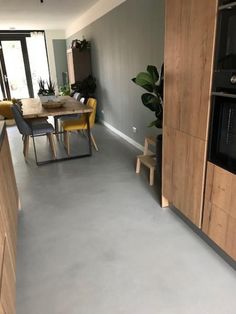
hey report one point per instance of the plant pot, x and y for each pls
(44, 98)
(159, 156)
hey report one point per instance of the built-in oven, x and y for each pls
(222, 139)
(222, 150)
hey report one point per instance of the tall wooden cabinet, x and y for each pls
(9, 204)
(189, 53)
(79, 64)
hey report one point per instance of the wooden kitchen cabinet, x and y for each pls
(219, 220)
(184, 173)
(79, 64)
(189, 54)
(189, 48)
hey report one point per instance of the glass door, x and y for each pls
(23, 62)
(17, 84)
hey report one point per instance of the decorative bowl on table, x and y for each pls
(52, 104)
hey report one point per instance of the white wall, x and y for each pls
(50, 35)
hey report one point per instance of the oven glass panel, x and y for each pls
(223, 139)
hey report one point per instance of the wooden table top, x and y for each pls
(32, 108)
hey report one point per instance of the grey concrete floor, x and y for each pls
(92, 239)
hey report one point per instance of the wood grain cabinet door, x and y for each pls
(183, 170)
(189, 53)
(219, 220)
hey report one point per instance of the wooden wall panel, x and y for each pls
(184, 167)
(189, 46)
(219, 220)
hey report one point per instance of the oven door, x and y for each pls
(222, 150)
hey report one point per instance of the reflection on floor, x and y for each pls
(93, 240)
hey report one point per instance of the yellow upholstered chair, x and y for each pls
(5, 109)
(79, 125)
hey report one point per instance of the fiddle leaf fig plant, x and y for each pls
(152, 82)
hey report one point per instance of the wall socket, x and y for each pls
(134, 129)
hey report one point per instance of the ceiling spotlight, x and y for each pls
(41, 1)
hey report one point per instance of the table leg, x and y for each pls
(89, 133)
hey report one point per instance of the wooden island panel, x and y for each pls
(9, 204)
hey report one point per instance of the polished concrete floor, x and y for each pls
(92, 239)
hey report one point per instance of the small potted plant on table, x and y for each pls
(46, 90)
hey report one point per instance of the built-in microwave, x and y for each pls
(222, 151)
(225, 54)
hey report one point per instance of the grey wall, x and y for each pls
(59, 48)
(124, 42)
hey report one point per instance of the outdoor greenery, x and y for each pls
(65, 90)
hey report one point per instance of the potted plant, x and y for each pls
(86, 88)
(153, 82)
(81, 44)
(46, 90)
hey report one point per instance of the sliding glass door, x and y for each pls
(17, 85)
(23, 61)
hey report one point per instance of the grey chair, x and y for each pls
(33, 128)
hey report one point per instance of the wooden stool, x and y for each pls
(148, 159)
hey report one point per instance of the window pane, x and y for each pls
(38, 59)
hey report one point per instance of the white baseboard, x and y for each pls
(122, 135)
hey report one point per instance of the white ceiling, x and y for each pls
(31, 14)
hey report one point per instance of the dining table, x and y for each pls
(33, 108)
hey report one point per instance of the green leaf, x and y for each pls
(144, 80)
(157, 123)
(150, 101)
(152, 70)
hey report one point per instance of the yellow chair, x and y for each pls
(5, 109)
(80, 125)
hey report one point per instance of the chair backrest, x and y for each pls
(82, 100)
(22, 125)
(92, 102)
(77, 96)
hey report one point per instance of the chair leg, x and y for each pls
(26, 146)
(138, 165)
(93, 141)
(56, 127)
(52, 144)
(67, 141)
(151, 181)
